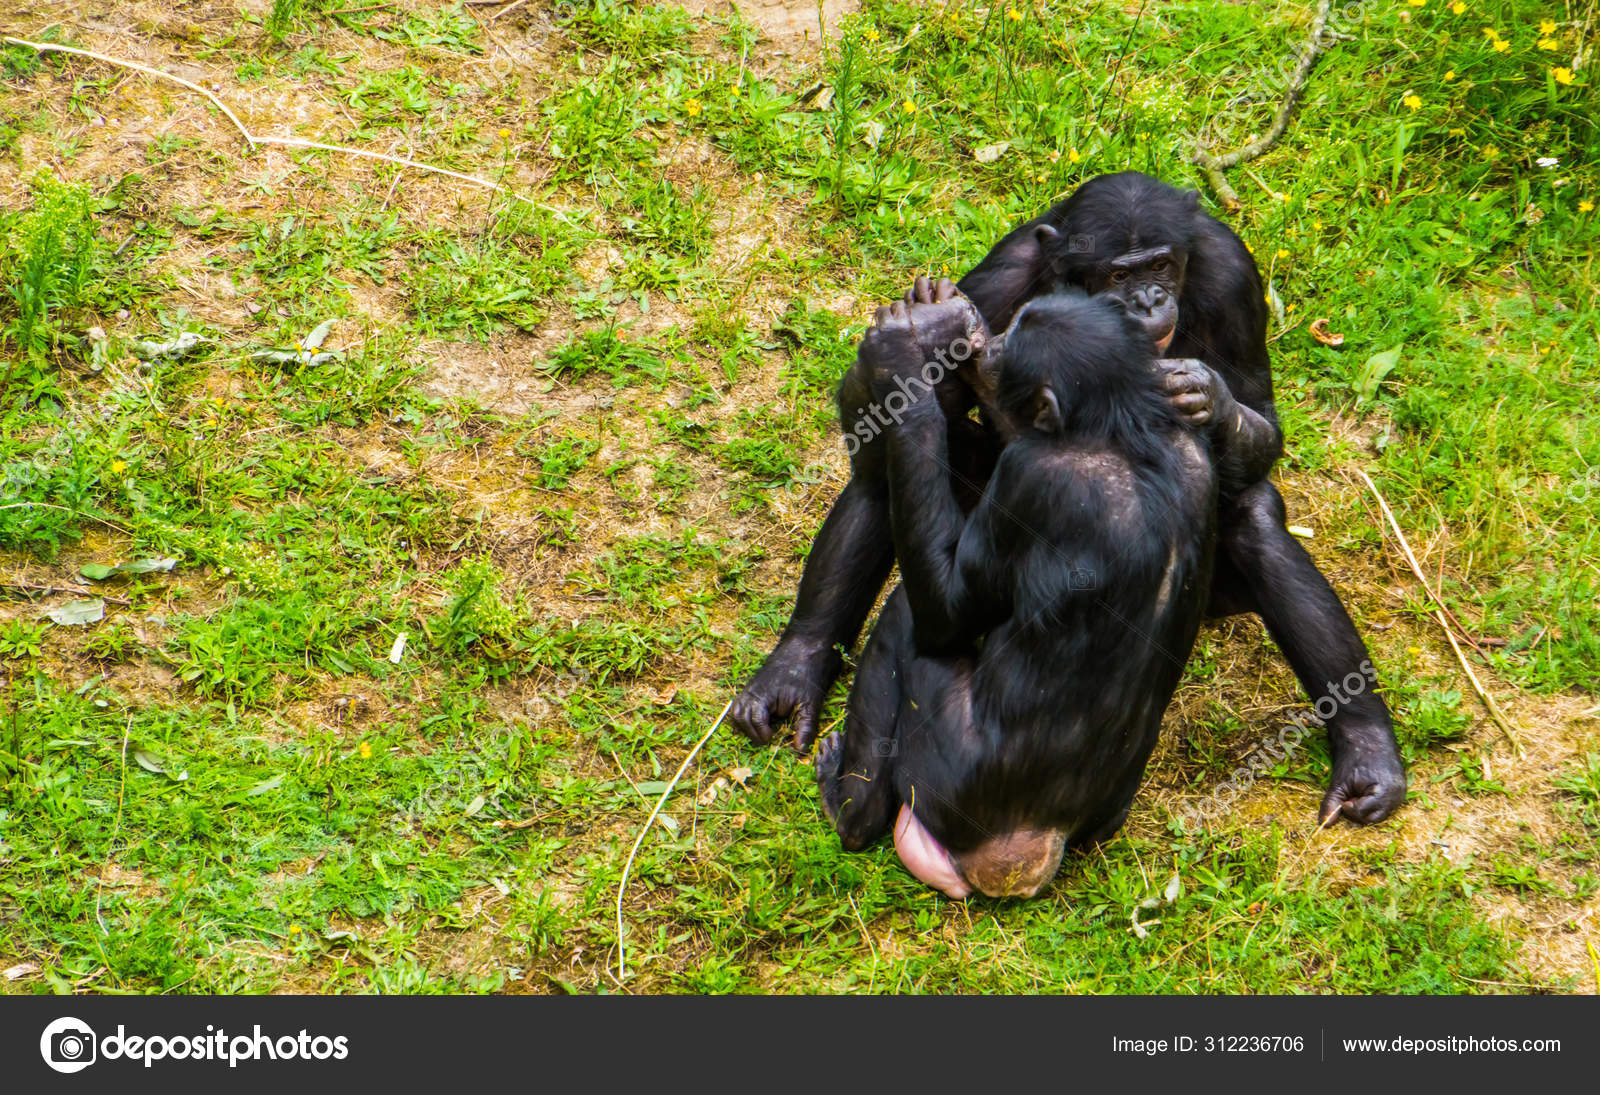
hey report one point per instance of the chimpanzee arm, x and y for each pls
(925, 516)
(1015, 270)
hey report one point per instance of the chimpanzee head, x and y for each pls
(1127, 236)
(1070, 363)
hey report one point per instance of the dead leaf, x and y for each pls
(22, 969)
(665, 696)
(989, 153)
(741, 775)
(78, 613)
(709, 795)
(1320, 332)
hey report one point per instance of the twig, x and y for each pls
(51, 47)
(353, 11)
(1477, 686)
(511, 7)
(67, 509)
(254, 139)
(29, 587)
(622, 887)
(1316, 44)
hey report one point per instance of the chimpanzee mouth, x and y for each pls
(1165, 340)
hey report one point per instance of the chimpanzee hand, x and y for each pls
(793, 682)
(1368, 783)
(1197, 393)
(934, 323)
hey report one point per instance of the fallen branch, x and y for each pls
(254, 139)
(51, 47)
(1489, 703)
(1316, 45)
(622, 887)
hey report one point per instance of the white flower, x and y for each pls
(1547, 161)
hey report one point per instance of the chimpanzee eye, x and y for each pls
(1119, 276)
(1158, 266)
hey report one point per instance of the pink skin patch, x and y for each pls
(1164, 341)
(925, 857)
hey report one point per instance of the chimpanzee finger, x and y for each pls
(923, 292)
(805, 725)
(750, 719)
(881, 316)
(898, 309)
(945, 290)
(1181, 380)
(1339, 803)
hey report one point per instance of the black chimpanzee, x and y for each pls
(1196, 287)
(1013, 687)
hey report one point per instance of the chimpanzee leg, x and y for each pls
(1270, 572)
(855, 768)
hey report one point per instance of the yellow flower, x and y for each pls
(1014, 15)
(1072, 155)
(691, 107)
(1501, 45)
(872, 35)
(505, 134)
(294, 929)
(1458, 133)
(1416, 3)
(1549, 44)
(365, 749)
(1458, 7)
(1413, 650)
(1448, 76)
(1490, 32)
(1041, 176)
(1586, 206)
(1282, 254)
(909, 107)
(1490, 152)
(1562, 75)
(1547, 27)
(118, 467)
(1412, 101)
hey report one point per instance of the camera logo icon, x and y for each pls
(68, 1045)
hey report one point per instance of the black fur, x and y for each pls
(1049, 628)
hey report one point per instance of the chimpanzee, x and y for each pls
(1013, 687)
(1196, 288)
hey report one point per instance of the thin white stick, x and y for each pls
(255, 139)
(297, 142)
(51, 47)
(622, 963)
(1495, 713)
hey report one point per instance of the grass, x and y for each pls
(574, 453)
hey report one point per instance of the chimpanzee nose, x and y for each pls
(1149, 297)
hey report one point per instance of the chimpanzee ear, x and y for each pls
(1044, 236)
(1191, 200)
(1046, 411)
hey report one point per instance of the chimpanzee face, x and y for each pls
(1148, 283)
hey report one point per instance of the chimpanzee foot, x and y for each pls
(830, 758)
(1369, 780)
(857, 799)
(926, 291)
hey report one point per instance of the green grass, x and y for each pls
(592, 534)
